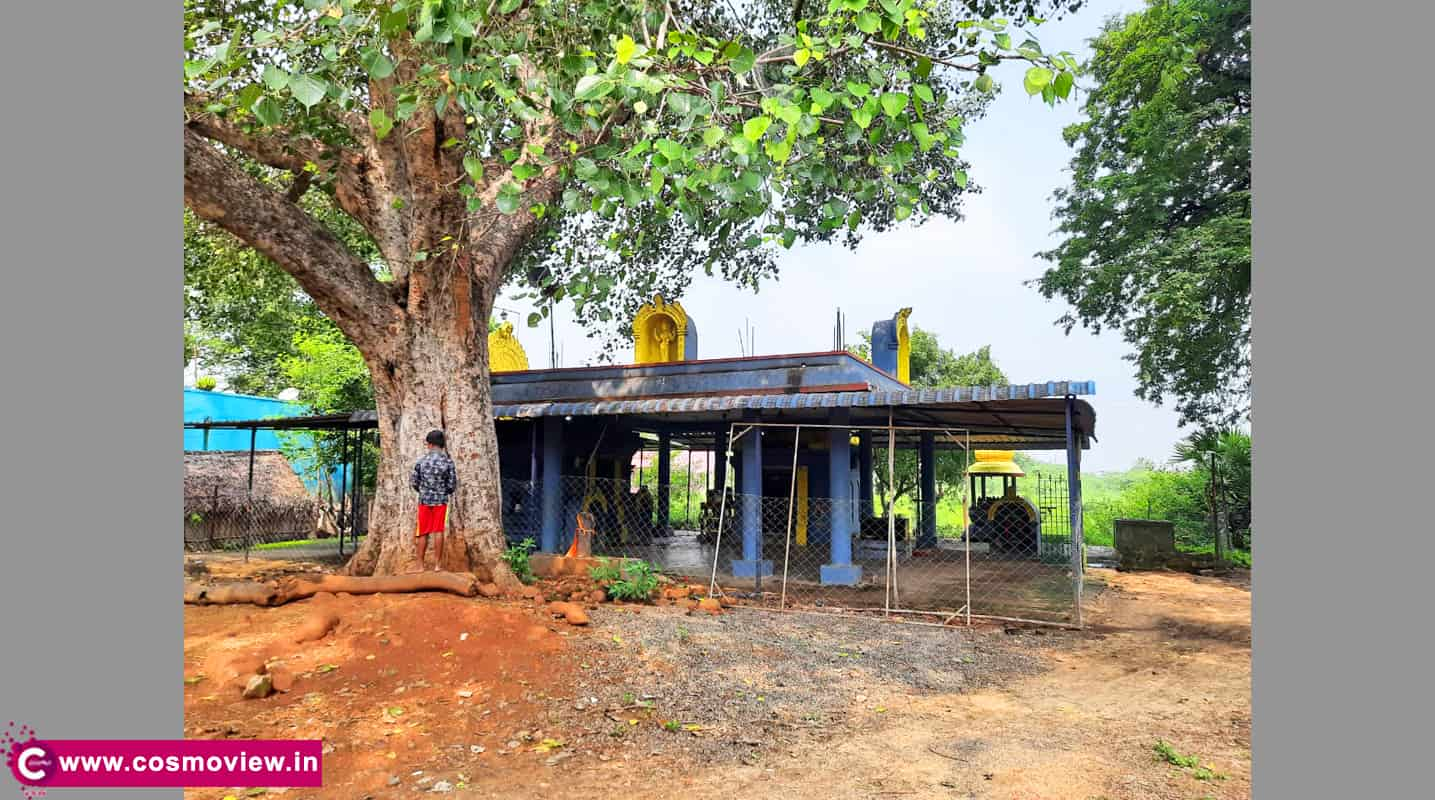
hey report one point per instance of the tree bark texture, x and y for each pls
(424, 333)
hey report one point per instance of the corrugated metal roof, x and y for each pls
(911, 397)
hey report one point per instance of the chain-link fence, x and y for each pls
(955, 556)
(300, 526)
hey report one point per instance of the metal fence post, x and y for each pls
(249, 499)
(1073, 481)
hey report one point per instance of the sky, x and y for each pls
(964, 280)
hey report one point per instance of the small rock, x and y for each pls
(463, 637)
(573, 614)
(465, 693)
(488, 589)
(597, 596)
(283, 679)
(442, 786)
(258, 686)
(316, 627)
(710, 605)
(529, 591)
(393, 780)
(476, 749)
(511, 744)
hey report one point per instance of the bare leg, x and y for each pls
(438, 552)
(423, 545)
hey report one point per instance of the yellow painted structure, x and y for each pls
(660, 332)
(904, 347)
(505, 353)
(801, 511)
(995, 462)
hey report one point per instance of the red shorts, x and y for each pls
(431, 519)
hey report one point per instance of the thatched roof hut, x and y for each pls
(228, 470)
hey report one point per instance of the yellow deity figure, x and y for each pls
(505, 353)
(904, 347)
(660, 332)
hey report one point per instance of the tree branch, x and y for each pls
(339, 282)
(279, 150)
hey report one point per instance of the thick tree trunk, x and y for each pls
(423, 335)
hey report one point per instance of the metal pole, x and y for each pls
(249, 500)
(1073, 484)
(791, 494)
(967, 535)
(343, 479)
(891, 516)
(688, 513)
(722, 511)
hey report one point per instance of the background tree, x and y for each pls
(591, 149)
(933, 367)
(1157, 221)
(1224, 455)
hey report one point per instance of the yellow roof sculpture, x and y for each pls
(904, 347)
(505, 353)
(660, 332)
(995, 462)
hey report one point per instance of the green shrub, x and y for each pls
(637, 582)
(516, 557)
(206, 383)
(605, 571)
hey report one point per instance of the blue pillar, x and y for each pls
(864, 463)
(752, 564)
(720, 468)
(927, 461)
(665, 475)
(552, 484)
(839, 474)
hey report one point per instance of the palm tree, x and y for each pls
(1225, 456)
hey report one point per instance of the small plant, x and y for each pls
(638, 582)
(683, 635)
(1171, 756)
(605, 571)
(672, 725)
(516, 557)
(206, 383)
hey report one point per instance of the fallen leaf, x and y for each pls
(323, 668)
(193, 680)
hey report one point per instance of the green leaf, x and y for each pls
(593, 87)
(862, 116)
(625, 49)
(376, 64)
(1036, 79)
(534, 319)
(394, 23)
(960, 176)
(983, 83)
(193, 69)
(274, 77)
(893, 103)
(1063, 84)
(585, 168)
(1003, 41)
(711, 136)
(743, 61)
(308, 89)
(474, 167)
(924, 67)
(267, 111)
(821, 99)
(868, 22)
(671, 150)
(381, 123)
(509, 198)
(924, 93)
(754, 128)
(525, 171)
(800, 56)
(858, 89)
(509, 6)
(778, 150)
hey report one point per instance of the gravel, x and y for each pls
(723, 688)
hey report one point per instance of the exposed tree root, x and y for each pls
(287, 590)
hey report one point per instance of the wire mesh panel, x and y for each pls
(900, 543)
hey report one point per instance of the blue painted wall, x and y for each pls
(218, 406)
(200, 405)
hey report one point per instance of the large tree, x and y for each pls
(1157, 221)
(594, 149)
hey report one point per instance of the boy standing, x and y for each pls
(434, 479)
